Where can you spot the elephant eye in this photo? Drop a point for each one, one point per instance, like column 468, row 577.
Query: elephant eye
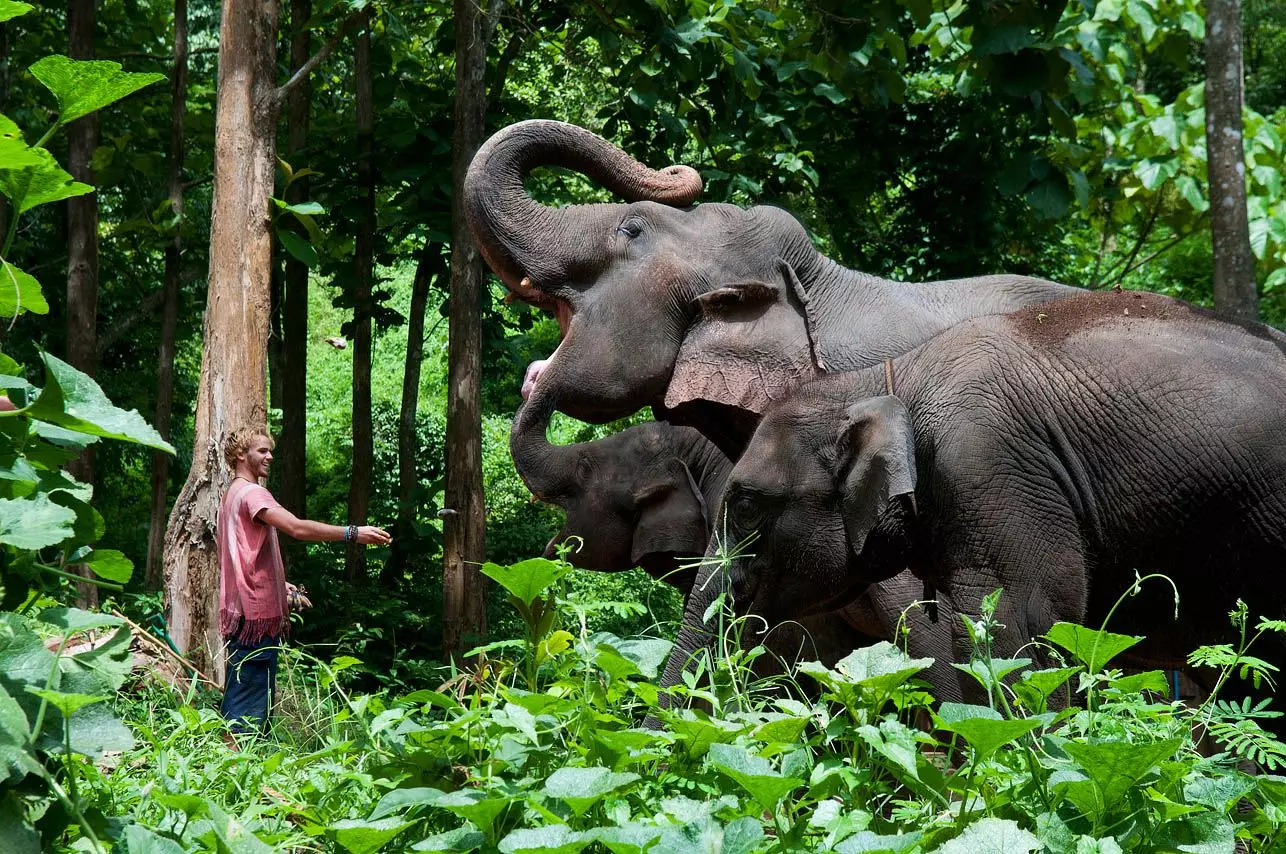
column 745, row 512
column 631, row 227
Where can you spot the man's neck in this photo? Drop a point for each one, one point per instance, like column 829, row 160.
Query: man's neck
column 245, row 473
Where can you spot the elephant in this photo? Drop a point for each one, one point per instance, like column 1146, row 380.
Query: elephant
column 645, row 497
column 1052, row 452
column 706, row 313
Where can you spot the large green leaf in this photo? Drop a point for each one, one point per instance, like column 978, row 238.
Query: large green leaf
column 1113, row 767
column 473, row 805
column 879, row 669
column 366, row 837
column 16, row 834
column 706, row 836
column 631, row 838
column 234, row 837
column 983, row 727
column 109, row 564
column 67, row 704
column 16, row 154
column 73, row 400
column 550, row 839
column 19, row 291
column 10, row 9
column 870, row 842
column 297, row 246
column 1091, row 647
column 15, row 733
column 40, row 184
column 83, row 86
column 992, row 836
column 459, row 840
column 754, row 773
column 35, row 522
column 140, row 840
column 528, row 579
column 72, row 620
column 399, row 800
column 581, row 788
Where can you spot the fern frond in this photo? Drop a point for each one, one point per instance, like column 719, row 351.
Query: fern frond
column 1247, row 739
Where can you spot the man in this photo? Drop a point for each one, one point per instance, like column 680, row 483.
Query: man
column 254, row 599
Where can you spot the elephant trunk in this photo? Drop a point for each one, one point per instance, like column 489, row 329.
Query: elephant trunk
column 547, row 469
column 531, row 245
column 696, row 634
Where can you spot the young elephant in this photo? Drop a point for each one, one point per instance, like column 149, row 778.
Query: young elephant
column 1053, row 452
column 643, row 497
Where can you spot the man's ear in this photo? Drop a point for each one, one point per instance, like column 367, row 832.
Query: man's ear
column 672, row 516
column 877, row 463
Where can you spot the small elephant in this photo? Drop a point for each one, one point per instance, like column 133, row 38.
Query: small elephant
column 705, row 312
column 1052, row 452
column 645, row 497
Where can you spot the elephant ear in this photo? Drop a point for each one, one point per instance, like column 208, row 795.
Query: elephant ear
column 877, row 463
column 748, row 347
column 672, row 516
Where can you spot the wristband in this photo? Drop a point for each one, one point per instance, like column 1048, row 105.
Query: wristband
column 350, row 533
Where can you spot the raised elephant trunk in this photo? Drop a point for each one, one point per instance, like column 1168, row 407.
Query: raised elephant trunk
column 546, row 468
column 525, row 240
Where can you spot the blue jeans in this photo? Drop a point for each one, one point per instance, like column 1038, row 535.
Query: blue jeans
column 252, row 676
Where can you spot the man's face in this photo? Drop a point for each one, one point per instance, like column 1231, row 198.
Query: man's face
column 258, row 456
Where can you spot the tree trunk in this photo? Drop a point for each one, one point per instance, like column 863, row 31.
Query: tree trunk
column 170, row 311
column 359, row 489
column 232, row 387
column 407, row 440
column 291, row 450
column 1234, row 265
column 464, row 527
column 82, row 248
column 276, row 289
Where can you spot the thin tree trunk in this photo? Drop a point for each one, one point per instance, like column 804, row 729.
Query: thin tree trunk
column 232, row 389
column 276, row 288
column 464, row 527
column 359, row 489
column 1234, row 265
column 291, row 450
column 170, row 312
column 82, row 248
column 408, row 444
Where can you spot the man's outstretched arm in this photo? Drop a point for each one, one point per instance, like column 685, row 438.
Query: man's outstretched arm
column 319, row 532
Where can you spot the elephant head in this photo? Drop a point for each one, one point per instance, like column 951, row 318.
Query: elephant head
column 637, row 498
column 628, row 282
column 813, row 514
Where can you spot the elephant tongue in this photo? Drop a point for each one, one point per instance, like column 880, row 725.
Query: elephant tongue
column 533, row 374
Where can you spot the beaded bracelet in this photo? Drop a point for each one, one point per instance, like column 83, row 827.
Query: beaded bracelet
column 350, row 533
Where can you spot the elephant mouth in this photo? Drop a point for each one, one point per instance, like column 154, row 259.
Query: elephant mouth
column 557, row 307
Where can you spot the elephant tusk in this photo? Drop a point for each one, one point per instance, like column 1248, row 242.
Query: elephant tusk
column 525, row 284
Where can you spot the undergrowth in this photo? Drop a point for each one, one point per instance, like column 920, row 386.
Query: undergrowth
column 541, row 747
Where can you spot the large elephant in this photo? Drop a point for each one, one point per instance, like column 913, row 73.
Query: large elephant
column 1051, row 452
column 646, row 497
column 706, row 313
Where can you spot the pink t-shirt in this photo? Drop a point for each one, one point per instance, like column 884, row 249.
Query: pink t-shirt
column 252, row 592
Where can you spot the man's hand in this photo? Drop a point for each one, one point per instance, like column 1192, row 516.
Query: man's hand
column 369, row 535
column 296, row 597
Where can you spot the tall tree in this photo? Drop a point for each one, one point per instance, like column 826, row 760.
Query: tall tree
column 464, row 528
column 291, row 450
column 359, row 487
column 82, row 246
column 233, row 385
column 1234, row 273
column 170, row 309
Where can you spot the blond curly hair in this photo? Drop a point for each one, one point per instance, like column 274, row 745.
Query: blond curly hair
column 238, row 441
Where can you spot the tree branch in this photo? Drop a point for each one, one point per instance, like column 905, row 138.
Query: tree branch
column 279, row 96
column 146, row 307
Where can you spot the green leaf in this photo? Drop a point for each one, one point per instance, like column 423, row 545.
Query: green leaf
column 1115, row 766
column 109, row 564
column 366, row 837
column 461, row 839
column 754, row 773
column 72, row 620
column 41, row 184
column 1207, row 833
column 35, row 523
column 1051, row 197
column 1086, row 644
column 66, row 703
column 140, row 840
column 528, row 579
column 10, row 9
column 1036, row 685
column 1190, row 191
column 19, row 291
column 474, row 806
column 879, row 669
column 304, row 208
column 83, row 86
column 234, row 836
column 401, row 799
column 1002, row 38
column 741, row 836
column 1155, row 171
column 982, row 726
column 646, row 654
column 869, row 841
column 301, row 249
column 551, row 839
column 71, row 399
column 631, row 838
column 16, row 154
column 17, row 834
column 992, row 836
column 1152, row 680
column 581, row 788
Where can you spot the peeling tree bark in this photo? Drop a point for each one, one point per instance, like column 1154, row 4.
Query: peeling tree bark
column 170, row 311
column 1234, row 265
column 359, row 488
column 82, row 249
column 464, row 528
column 232, row 390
